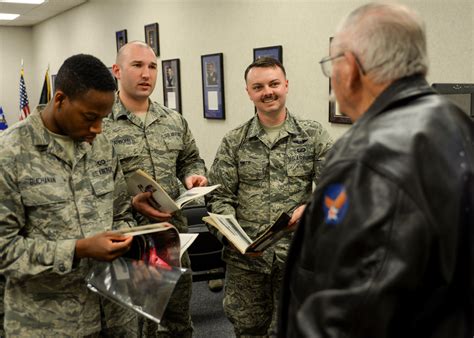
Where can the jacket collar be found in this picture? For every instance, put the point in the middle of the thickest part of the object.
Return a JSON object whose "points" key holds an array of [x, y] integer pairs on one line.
{"points": [[400, 90]]}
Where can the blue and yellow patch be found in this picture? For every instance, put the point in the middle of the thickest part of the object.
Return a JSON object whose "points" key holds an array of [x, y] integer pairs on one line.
{"points": [[335, 204]]}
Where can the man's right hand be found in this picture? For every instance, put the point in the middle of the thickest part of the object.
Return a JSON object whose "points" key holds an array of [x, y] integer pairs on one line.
{"points": [[105, 246], [141, 203]]}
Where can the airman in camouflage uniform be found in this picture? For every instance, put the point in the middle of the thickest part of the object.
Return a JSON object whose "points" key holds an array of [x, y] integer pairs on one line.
{"points": [[161, 144], [61, 190], [262, 174]]}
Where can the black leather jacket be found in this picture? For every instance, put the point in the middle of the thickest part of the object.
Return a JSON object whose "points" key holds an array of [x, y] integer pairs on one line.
{"points": [[386, 247]]}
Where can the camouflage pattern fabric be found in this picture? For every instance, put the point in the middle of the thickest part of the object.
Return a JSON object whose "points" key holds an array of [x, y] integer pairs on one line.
{"points": [[259, 180], [2, 290], [46, 204], [240, 295], [165, 149]]}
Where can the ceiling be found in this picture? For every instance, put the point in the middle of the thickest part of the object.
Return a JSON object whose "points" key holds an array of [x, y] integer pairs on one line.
{"points": [[31, 15]]}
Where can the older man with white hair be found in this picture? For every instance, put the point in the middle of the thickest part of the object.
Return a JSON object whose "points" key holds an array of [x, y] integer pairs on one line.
{"points": [[385, 249]]}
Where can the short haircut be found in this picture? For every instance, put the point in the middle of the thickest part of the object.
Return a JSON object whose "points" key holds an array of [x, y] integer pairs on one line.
{"points": [[123, 50], [81, 73], [389, 40], [265, 62]]}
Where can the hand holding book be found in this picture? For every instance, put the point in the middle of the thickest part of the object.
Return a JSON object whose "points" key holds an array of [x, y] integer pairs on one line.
{"points": [[231, 229], [140, 182]]}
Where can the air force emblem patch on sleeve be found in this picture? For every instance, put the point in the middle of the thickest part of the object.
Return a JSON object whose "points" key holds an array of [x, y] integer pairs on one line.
{"points": [[335, 204]]}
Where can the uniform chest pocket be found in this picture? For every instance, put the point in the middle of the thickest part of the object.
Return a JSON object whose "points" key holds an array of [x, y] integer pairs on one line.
{"points": [[174, 143], [252, 170], [102, 185], [300, 161]]}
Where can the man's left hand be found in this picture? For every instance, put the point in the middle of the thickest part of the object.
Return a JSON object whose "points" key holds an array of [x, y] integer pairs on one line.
{"points": [[195, 181]]}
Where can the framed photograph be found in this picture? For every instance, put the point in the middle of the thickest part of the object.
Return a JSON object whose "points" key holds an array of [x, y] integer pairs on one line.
{"points": [[275, 52], [152, 37], [212, 69], [171, 84], [121, 38], [335, 115]]}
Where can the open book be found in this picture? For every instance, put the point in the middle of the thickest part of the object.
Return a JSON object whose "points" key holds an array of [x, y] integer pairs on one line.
{"points": [[144, 278], [158, 241], [140, 181], [231, 229]]}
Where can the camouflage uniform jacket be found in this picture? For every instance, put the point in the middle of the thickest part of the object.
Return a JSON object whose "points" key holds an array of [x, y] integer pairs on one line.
{"points": [[164, 148], [46, 204], [259, 180]]}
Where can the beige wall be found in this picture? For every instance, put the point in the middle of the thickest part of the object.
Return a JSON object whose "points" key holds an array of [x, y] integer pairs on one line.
{"points": [[15, 45], [191, 28]]}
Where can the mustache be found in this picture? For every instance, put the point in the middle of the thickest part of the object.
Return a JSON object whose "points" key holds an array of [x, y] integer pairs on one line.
{"points": [[270, 96]]}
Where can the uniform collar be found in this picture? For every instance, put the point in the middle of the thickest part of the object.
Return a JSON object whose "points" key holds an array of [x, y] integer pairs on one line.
{"points": [[119, 111], [290, 126], [41, 137]]}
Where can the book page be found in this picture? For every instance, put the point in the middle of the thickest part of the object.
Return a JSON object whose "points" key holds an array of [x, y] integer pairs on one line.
{"points": [[231, 229], [144, 229], [194, 193], [186, 241]]}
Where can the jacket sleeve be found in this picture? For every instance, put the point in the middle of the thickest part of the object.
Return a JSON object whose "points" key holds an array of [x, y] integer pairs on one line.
{"points": [[223, 200], [189, 161], [355, 255]]}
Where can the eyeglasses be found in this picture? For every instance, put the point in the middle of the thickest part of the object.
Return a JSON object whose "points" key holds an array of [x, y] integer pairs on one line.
{"points": [[326, 64]]}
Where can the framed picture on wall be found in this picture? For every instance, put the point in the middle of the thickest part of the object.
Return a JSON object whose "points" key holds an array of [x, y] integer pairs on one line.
{"points": [[275, 52], [152, 37], [171, 84], [335, 115], [121, 38], [212, 70]]}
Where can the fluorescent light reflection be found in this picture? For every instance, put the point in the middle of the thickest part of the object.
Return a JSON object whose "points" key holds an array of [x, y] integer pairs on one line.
{"points": [[7, 16], [36, 2]]}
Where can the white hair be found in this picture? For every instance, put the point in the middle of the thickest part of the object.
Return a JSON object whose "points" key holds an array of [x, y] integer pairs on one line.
{"points": [[389, 40]]}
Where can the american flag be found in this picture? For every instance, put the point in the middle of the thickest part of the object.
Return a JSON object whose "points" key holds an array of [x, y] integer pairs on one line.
{"points": [[24, 108]]}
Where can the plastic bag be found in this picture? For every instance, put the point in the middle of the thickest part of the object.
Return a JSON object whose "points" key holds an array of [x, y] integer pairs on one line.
{"points": [[144, 288]]}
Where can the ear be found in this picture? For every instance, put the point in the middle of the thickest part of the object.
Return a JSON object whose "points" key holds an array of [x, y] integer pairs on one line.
{"points": [[116, 71], [247, 90], [353, 71], [58, 99]]}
